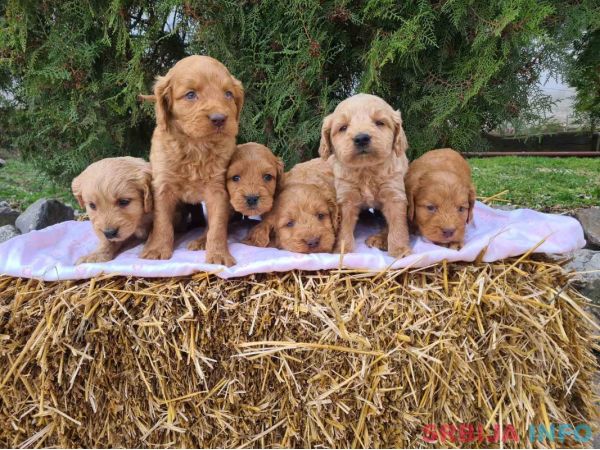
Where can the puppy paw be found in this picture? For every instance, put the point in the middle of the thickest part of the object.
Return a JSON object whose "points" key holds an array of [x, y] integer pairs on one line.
{"points": [[157, 253], [378, 240], [198, 244], [222, 258], [400, 251], [95, 258], [258, 236]]}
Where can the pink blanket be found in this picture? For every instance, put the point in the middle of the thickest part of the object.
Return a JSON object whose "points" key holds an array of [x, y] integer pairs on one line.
{"points": [[50, 254]]}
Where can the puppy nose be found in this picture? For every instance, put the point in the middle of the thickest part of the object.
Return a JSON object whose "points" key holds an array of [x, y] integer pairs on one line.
{"points": [[362, 139], [111, 233], [218, 120], [313, 243], [251, 200], [448, 232]]}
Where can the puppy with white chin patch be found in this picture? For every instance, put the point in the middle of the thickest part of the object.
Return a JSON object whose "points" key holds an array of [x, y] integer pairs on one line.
{"points": [[365, 143], [117, 195]]}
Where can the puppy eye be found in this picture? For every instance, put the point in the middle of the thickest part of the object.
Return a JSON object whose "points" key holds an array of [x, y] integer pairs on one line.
{"points": [[123, 202], [431, 208], [235, 178], [343, 128], [92, 206], [290, 224], [267, 177], [379, 123], [461, 209], [320, 216], [191, 95], [228, 94]]}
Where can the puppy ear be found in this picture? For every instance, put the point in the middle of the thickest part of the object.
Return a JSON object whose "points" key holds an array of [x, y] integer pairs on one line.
{"points": [[280, 168], [146, 185], [472, 195], [164, 100], [334, 212], [325, 145], [400, 141], [410, 198], [238, 95], [76, 188]]}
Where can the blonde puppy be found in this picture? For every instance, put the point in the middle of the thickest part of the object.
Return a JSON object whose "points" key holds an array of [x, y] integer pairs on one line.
{"points": [[304, 218], [117, 195], [366, 143], [441, 196], [198, 106]]}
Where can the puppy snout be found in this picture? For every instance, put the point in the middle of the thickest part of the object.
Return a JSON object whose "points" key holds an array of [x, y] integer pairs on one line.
{"points": [[362, 141], [218, 119], [313, 242], [252, 200], [448, 232], [111, 233]]}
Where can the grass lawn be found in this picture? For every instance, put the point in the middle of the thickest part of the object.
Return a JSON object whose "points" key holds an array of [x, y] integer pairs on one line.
{"points": [[536, 182], [21, 185]]}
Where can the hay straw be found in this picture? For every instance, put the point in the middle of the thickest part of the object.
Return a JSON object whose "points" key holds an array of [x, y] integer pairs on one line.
{"points": [[331, 359]]}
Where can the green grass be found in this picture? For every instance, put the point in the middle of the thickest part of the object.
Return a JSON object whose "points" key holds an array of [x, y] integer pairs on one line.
{"points": [[536, 182], [540, 183], [21, 185]]}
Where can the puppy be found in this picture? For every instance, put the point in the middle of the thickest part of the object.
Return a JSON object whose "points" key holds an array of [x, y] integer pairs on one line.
{"points": [[198, 105], [117, 195], [252, 179], [304, 218], [365, 142], [253, 176], [441, 196]]}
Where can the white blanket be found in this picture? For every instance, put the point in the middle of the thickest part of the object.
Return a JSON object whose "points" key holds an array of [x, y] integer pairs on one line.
{"points": [[50, 254]]}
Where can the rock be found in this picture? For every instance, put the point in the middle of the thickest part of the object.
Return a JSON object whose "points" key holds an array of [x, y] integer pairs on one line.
{"points": [[7, 214], [590, 221], [505, 207], [587, 261], [42, 214], [8, 232], [2, 163]]}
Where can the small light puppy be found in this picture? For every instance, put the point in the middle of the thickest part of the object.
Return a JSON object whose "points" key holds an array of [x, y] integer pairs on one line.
{"points": [[441, 196], [304, 218], [117, 195], [198, 106], [366, 145]]}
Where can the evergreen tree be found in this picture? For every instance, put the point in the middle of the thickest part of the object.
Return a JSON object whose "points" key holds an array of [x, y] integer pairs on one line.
{"points": [[583, 72], [455, 68]]}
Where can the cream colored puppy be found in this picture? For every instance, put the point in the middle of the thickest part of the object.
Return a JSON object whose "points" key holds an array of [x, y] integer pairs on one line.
{"points": [[366, 145], [117, 195]]}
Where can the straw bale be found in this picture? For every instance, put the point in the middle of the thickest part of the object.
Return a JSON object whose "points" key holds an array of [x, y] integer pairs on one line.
{"points": [[301, 359]]}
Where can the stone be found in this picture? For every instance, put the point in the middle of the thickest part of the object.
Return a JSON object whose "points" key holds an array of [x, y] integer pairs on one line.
{"points": [[505, 207], [42, 214], [8, 216], [8, 232], [587, 262], [2, 163], [590, 221]]}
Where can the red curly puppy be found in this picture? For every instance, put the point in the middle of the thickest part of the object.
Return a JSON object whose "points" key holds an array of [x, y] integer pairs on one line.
{"points": [[441, 196], [198, 105]]}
